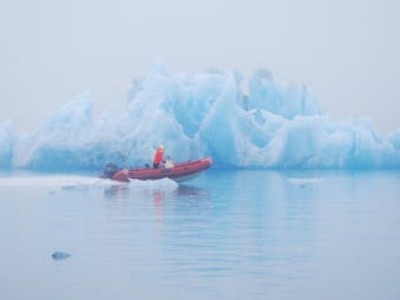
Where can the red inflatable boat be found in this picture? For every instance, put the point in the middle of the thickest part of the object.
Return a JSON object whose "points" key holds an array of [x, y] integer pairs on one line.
{"points": [[178, 172]]}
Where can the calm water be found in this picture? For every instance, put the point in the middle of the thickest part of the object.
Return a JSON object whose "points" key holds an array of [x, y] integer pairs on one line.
{"points": [[225, 235]]}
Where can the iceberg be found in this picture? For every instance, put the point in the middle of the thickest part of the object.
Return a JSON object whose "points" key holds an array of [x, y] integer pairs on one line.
{"points": [[269, 126]]}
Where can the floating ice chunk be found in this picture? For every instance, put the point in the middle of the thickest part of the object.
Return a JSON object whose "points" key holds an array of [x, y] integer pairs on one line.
{"points": [[60, 255]]}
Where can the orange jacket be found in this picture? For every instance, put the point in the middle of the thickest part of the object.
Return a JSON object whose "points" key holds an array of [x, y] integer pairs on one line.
{"points": [[158, 156]]}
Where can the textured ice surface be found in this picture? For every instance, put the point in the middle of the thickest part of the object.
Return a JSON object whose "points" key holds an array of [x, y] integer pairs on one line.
{"points": [[269, 126]]}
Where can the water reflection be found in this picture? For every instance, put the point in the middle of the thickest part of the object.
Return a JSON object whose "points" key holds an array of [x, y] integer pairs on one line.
{"points": [[116, 191], [182, 193], [230, 235], [190, 200], [252, 223], [186, 200], [265, 228]]}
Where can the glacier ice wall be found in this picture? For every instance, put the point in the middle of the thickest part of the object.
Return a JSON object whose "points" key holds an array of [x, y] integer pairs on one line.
{"points": [[270, 126]]}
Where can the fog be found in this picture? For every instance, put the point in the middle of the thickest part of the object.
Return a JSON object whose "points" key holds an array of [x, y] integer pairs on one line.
{"points": [[346, 52]]}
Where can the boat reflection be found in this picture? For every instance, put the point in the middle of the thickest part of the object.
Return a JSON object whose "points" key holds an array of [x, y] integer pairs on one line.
{"points": [[116, 191], [184, 197], [191, 202], [187, 191]]}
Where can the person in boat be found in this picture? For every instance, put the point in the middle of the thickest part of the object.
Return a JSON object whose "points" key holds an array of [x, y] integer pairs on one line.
{"points": [[169, 164], [158, 157]]}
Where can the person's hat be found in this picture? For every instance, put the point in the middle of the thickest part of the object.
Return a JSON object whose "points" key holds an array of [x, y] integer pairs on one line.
{"points": [[161, 146]]}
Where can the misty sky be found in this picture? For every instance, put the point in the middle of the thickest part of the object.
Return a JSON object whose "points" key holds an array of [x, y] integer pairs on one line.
{"points": [[346, 51]]}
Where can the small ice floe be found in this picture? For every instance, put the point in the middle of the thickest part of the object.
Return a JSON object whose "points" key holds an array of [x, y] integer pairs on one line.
{"points": [[303, 182], [59, 255]]}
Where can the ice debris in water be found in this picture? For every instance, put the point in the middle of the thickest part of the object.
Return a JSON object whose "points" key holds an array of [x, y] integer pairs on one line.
{"points": [[266, 126]]}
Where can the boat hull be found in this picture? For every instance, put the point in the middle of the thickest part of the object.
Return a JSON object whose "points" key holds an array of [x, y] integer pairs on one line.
{"points": [[180, 172]]}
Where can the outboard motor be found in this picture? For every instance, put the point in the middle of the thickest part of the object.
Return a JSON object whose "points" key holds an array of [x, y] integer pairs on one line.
{"points": [[109, 170]]}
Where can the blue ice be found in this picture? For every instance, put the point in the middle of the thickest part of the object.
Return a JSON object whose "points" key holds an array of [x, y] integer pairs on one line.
{"points": [[59, 255], [269, 126]]}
